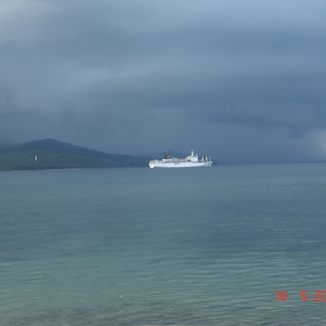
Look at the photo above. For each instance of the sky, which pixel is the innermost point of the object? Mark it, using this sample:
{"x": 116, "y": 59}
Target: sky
{"x": 241, "y": 81}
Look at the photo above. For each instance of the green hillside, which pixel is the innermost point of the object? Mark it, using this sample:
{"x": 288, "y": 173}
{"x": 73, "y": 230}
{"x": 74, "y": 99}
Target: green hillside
{"x": 52, "y": 154}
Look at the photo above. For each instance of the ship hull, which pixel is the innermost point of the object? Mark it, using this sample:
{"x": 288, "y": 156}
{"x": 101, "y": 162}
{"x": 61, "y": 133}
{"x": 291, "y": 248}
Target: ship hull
{"x": 159, "y": 164}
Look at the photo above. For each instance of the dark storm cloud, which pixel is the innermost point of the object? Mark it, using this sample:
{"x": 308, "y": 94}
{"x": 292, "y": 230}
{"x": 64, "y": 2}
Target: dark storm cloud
{"x": 129, "y": 75}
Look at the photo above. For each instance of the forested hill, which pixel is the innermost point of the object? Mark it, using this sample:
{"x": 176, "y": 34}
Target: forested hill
{"x": 53, "y": 154}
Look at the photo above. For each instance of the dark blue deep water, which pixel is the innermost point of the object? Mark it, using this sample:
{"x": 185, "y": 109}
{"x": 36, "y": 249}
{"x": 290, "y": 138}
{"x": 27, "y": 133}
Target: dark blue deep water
{"x": 140, "y": 246}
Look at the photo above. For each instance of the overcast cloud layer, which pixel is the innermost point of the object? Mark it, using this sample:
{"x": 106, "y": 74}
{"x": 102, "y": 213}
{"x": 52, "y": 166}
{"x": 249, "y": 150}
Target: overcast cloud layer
{"x": 242, "y": 81}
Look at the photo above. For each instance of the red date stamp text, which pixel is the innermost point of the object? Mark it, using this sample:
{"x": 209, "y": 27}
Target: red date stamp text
{"x": 318, "y": 296}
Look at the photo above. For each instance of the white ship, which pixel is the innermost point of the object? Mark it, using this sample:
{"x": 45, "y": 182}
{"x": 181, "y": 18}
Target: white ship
{"x": 188, "y": 162}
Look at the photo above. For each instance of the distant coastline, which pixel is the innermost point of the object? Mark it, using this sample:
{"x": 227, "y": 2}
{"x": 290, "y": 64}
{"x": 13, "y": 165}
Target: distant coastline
{"x": 50, "y": 154}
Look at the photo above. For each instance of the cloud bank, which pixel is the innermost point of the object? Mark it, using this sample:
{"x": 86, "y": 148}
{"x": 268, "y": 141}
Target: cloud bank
{"x": 241, "y": 81}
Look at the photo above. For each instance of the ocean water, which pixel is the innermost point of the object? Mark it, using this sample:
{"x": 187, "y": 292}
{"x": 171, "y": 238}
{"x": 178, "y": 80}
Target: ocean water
{"x": 140, "y": 246}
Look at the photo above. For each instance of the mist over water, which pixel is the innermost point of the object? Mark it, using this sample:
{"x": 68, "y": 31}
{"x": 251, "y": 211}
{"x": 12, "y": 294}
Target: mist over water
{"x": 143, "y": 246}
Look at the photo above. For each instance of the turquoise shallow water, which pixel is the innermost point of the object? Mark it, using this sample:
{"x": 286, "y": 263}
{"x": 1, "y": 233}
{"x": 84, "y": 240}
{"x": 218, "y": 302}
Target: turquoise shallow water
{"x": 138, "y": 246}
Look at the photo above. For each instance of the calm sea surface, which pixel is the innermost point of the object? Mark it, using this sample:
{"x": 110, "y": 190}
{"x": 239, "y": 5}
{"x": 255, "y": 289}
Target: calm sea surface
{"x": 142, "y": 246}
